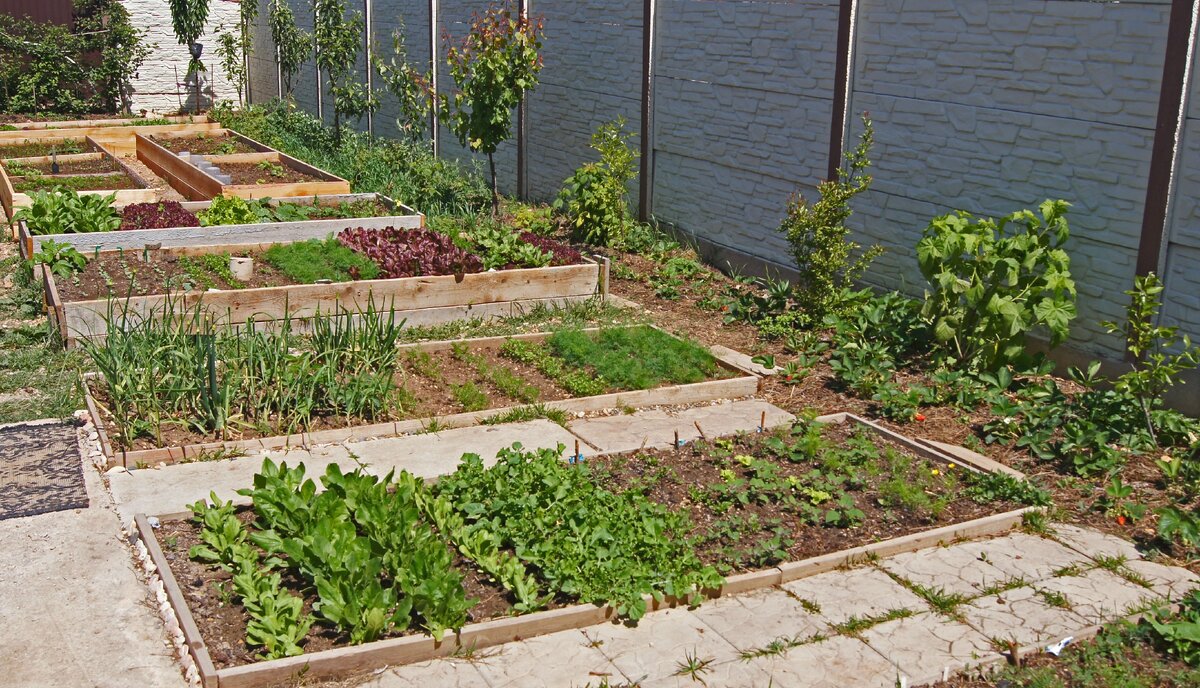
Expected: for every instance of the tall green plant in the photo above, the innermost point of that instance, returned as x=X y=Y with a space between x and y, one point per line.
x=337 y=40
x=817 y=233
x=187 y=20
x=292 y=44
x=493 y=66
x=991 y=282
x=409 y=86
x=234 y=49
x=1159 y=352
x=593 y=198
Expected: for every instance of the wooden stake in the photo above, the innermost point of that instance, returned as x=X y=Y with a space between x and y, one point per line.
x=762 y=423
x=676 y=440
x=575 y=459
x=700 y=430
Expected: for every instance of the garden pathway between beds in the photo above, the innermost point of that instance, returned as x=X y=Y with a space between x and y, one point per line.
x=1064 y=591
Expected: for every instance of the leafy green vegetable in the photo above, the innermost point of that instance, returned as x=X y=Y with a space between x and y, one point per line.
x=62 y=259
x=583 y=541
x=67 y=212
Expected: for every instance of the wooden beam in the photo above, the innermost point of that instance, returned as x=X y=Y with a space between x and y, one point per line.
x=1180 y=32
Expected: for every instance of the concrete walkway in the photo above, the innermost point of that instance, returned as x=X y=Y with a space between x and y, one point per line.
x=871 y=626
x=73 y=611
x=76 y=613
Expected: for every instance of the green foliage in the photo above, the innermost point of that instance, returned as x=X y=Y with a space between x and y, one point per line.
x=337 y=40
x=992 y=487
x=187 y=20
x=588 y=543
x=817 y=233
x=494 y=65
x=1095 y=430
x=69 y=183
x=46 y=67
x=232 y=210
x=306 y=262
x=159 y=373
x=229 y=53
x=292 y=44
x=580 y=383
x=992 y=282
x=402 y=170
x=68 y=212
x=62 y=259
x=630 y=358
x=1179 y=635
x=500 y=246
x=410 y=87
x=593 y=198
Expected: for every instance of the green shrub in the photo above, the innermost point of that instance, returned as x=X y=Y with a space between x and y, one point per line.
x=404 y=170
x=817 y=234
x=593 y=198
x=306 y=262
x=992 y=282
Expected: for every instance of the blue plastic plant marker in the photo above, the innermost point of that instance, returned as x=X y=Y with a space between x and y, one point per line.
x=579 y=458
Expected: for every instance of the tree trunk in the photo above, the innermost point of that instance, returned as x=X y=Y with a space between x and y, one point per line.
x=495 y=189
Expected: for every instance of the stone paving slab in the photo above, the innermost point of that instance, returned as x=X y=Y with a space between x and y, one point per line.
x=926 y=646
x=734 y=674
x=1094 y=543
x=171 y=488
x=1029 y=557
x=862 y=592
x=75 y=614
x=839 y=662
x=964 y=569
x=1098 y=595
x=1021 y=615
x=556 y=660
x=1167 y=581
x=754 y=619
x=656 y=428
x=660 y=640
x=442 y=673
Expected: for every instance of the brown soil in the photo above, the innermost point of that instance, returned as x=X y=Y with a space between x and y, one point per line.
x=427 y=392
x=252 y=173
x=222 y=623
x=204 y=144
x=39 y=148
x=97 y=182
x=55 y=117
x=673 y=477
x=124 y=274
x=74 y=166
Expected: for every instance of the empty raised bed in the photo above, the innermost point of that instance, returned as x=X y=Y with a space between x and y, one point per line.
x=233 y=222
x=93 y=170
x=522 y=534
x=259 y=174
x=348 y=379
x=118 y=139
x=417 y=274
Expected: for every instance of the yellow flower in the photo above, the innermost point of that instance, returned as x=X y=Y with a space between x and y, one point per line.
x=951 y=466
x=935 y=471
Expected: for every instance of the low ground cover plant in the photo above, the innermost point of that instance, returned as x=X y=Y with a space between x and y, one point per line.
x=159 y=215
x=307 y=262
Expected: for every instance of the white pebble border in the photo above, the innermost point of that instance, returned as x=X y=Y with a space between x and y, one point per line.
x=90 y=446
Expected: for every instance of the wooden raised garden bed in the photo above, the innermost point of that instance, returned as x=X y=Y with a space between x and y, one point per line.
x=414 y=300
x=433 y=375
x=260 y=174
x=118 y=139
x=100 y=122
x=393 y=214
x=95 y=171
x=215 y=638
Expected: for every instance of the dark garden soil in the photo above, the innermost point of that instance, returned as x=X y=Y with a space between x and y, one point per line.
x=679 y=479
x=697 y=313
x=39 y=148
x=73 y=166
x=203 y=144
x=222 y=622
x=251 y=173
x=125 y=274
x=91 y=182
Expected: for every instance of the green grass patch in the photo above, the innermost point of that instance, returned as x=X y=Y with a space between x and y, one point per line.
x=635 y=357
x=522 y=414
x=306 y=262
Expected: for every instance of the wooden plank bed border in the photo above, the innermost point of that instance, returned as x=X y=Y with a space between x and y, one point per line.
x=417 y=648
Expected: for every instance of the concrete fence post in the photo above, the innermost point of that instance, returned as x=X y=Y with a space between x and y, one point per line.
x=646 y=169
x=367 y=43
x=434 y=46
